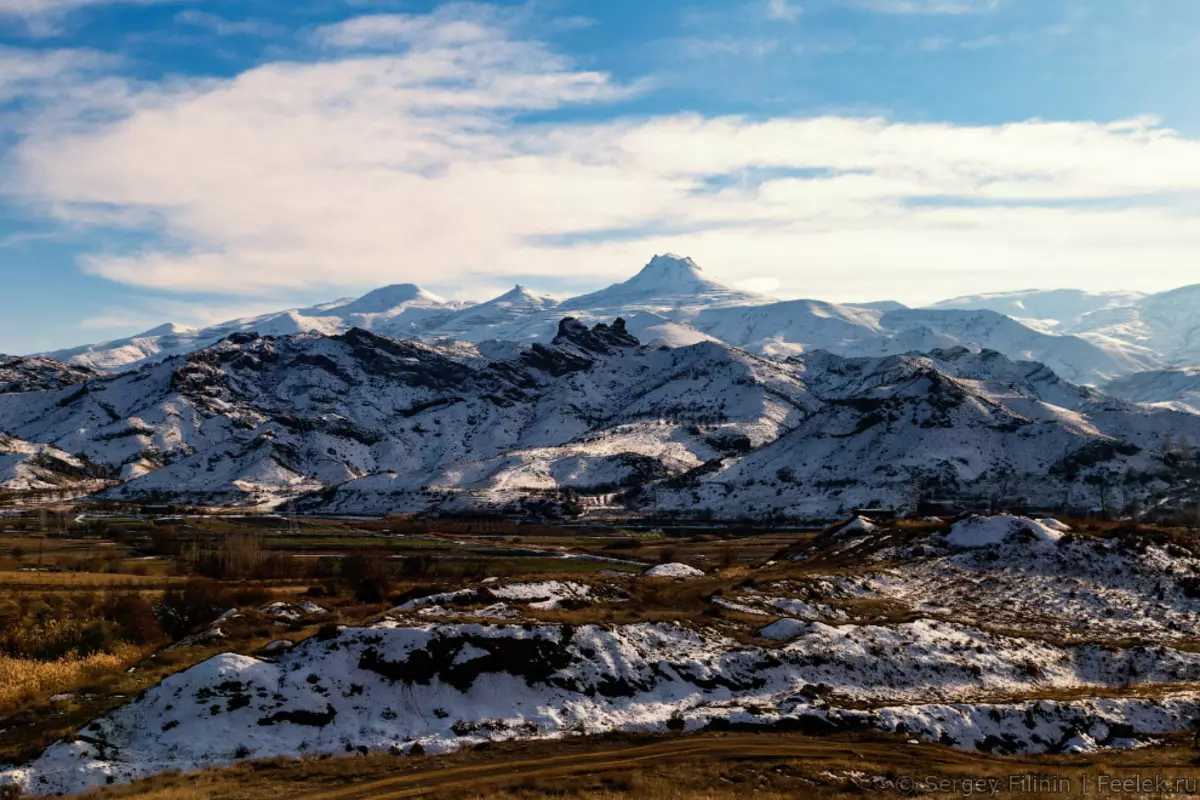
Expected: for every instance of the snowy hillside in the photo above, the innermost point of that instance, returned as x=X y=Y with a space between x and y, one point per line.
x=1167 y=388
x=1005 y=635
x=25 y=466
x=1163 y=327
x=19 y=374
x=1075 y=358
x=1053 y=308
x=897 y=430
x=360 y=423
x=1165 y=323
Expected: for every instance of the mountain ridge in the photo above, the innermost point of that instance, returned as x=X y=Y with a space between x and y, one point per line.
x=360 y=422
x=673 y=301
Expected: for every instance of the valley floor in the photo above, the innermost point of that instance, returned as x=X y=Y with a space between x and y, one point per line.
x=395 y=658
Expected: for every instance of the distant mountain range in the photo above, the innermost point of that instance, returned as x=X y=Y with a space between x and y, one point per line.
x=1087 y=338
x=698 y=398
x=357 y=422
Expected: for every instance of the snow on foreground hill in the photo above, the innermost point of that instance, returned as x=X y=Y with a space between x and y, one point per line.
x=670 y=301
x=359 y=423
x=802 y=645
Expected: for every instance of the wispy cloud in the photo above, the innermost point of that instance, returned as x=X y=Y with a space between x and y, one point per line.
x=42 y=72
x=785 y=10
x=42 y=18
x=224 y=27
x=928 y=6
x=407 y=153
x=744 y=46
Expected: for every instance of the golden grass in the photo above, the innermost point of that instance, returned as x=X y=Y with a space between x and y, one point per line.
x=22 y=679
x=60 y=580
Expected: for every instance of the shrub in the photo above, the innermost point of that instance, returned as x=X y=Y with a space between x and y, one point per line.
x=197 y=603
x=371 y=590
x=135 y=619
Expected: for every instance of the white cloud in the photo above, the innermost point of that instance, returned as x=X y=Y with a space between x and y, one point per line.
x=41 y=72
x=929 y=6
x=224 y=27
x=45 y=17
x=785 y=10
x=416 y=165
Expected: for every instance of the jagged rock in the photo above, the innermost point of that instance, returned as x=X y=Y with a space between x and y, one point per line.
x=601 y=338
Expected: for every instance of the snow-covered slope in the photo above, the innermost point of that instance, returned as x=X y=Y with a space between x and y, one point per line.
x=795 y=326
x=1053 y=308
x=1004 y=635
x=898 y=430
x=19 y=374
x=1073 y=357
x=443 y=687
x=1167 y=324
x=1167 y=388
x=1163 y=327
x=365 y=423
x=509 y=316
x=25 y=466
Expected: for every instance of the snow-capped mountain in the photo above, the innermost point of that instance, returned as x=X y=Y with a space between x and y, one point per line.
x=671 y=301
x=362 y=422
x=1166 y=388
x=516 y=315
x=397 y=309
x=669 y=283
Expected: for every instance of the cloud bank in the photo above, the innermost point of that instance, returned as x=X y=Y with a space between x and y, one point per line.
x=429 y=148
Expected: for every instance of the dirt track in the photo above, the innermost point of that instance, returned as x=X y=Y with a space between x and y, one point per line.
x=728 y=747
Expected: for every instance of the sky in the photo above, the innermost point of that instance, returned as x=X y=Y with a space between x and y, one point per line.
x=196 y=161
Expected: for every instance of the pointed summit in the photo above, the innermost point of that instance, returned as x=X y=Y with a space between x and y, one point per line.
x=671 y=264
x=668 y=281
x=519 y=296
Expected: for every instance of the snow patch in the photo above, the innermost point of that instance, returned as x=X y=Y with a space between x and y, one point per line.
x=673 y=570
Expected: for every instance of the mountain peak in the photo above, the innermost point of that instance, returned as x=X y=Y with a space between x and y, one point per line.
x=166 y=329
x=521 y=296
x=387 y=298
x=670 y=267
x=667 y=281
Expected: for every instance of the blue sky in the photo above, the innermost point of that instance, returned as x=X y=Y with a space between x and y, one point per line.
x=196 y=161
